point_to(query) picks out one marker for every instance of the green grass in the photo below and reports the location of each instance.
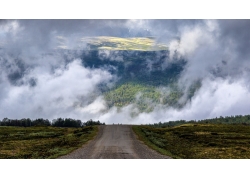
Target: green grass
(198, 141)
(42, 142)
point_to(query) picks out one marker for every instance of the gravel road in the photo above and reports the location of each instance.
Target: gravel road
(115, 142)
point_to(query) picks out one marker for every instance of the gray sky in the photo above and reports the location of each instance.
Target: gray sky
(35, 83)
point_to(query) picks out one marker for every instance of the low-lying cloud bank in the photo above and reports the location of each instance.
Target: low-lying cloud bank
(37, 83)
(217, 98)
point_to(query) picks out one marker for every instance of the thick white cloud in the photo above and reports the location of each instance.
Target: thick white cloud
(62, 93)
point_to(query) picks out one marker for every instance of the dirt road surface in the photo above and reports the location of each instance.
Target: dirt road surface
(115, 142)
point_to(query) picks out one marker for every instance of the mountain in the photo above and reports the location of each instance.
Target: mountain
(146, 76)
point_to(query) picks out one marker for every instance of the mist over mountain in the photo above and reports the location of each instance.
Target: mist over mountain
(124, 71)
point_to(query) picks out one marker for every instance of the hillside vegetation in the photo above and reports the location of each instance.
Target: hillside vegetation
(144, 78)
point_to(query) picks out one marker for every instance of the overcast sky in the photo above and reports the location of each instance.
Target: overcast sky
(36, 83)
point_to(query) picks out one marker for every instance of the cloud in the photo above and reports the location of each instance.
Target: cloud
(64, 92)
(38, 79)
(218, 98)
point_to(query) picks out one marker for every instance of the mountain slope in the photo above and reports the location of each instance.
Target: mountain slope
(146, 76)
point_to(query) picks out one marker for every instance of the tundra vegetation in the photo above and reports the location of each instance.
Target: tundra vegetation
(218, 138)
(38, 139)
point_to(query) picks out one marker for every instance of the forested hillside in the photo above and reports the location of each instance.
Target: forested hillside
(145, 78)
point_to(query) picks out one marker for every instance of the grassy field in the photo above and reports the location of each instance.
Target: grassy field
(198, 141)
(42, 142)
(117, 43)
